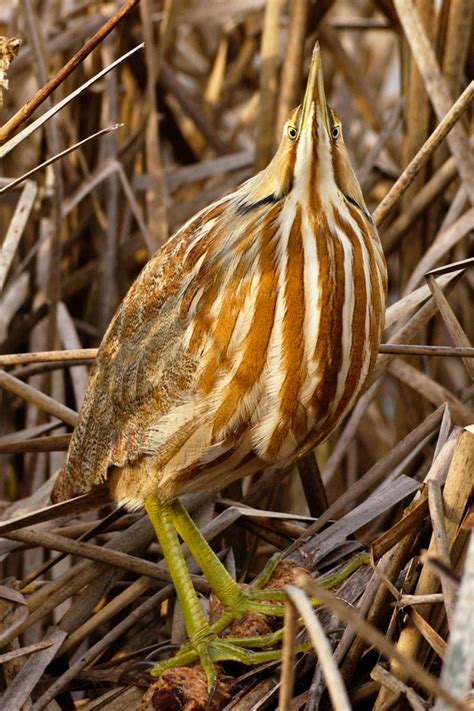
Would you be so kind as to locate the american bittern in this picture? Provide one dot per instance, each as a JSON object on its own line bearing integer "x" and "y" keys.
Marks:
{"x": 239, "y": 348}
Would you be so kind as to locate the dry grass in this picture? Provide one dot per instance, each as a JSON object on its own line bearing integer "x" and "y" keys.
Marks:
{"x": 86, "y": 597}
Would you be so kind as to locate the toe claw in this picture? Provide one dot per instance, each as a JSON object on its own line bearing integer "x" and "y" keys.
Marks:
{"x": 137, "y": 673}
{"x": 212, "y": 693}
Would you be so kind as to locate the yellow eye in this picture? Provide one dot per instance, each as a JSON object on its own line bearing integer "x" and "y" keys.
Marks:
{"x": 291, "y": 132}
{"x": 336, "y": 130}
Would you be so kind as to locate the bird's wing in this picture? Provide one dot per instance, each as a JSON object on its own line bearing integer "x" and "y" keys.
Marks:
{"x": 178, "y": 374}
{"x": 143, "y": 373}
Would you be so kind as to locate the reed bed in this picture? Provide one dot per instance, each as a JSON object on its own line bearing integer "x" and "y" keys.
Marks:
{"x": 107, "y": 146}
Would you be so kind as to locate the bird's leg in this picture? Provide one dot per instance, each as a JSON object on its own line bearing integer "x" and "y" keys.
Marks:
{"x": 222, "y": 584}
{"x": 204, "y": 644}
{"x": 197, "y": 626}
{"x": 236, "y": 601}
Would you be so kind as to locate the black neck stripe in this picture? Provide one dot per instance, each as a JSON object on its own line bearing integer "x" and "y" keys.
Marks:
{"x": 359, "y": 207}
{"x": 246, "y": 207}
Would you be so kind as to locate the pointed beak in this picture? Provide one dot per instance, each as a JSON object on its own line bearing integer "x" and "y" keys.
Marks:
{"x": 314, "y": 92}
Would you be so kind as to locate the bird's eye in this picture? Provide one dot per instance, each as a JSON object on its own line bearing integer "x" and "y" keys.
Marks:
{"x": 335, "y": 132}
{"x": 291, "y": 132}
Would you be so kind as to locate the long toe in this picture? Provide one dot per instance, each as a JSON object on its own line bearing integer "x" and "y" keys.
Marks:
{"x": 219, "y": 650}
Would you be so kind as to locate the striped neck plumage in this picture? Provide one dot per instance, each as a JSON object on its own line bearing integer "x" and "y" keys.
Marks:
{"x": 311, "y": 166}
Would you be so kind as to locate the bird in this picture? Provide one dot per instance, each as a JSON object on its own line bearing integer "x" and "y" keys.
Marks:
{"x": 239, "y": 348}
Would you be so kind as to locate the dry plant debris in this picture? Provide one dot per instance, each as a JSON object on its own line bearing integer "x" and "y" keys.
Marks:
{"x": 9, "y": 47}
{"x": 106, "y": 148}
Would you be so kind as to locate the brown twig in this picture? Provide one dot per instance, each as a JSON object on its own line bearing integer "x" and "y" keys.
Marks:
{"x": 421, "y": 158}
{"x": 409, "y": 349}
{"x": 35, "y": 397}
{"x": 9, "y": 128}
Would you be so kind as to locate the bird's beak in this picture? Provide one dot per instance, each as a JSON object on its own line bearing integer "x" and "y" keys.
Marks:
{"x": 314, "y": 92}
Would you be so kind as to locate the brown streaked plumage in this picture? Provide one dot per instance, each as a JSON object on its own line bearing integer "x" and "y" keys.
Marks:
{"x": 246, "y": 338}
{"x": 241, "y": 345}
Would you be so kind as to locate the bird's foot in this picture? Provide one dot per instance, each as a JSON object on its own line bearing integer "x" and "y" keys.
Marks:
{"x": 211, "y": 649}
{"x": 266, "y": 594}
{"x": 255, "y": 601}
{"x": 245, "y": 617}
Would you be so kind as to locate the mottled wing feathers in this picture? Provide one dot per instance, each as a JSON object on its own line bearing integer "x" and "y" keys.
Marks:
{"x": 170, "y": 347}
{"x": 142, "y": 370}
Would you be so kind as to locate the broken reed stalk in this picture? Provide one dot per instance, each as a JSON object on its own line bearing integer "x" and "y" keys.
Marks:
{"x": 335, "y": 684}
{"x": 413, "y": 669}
{"x": 80, "y": 144}
{"x": 35, "y": 397}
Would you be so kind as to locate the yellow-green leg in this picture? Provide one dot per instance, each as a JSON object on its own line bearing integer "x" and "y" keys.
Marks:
{"x": 235, "y": 600}
{"x": 238, "y": 601}
{"x": 197, "y": 626}
{"x": 204, "y": 644}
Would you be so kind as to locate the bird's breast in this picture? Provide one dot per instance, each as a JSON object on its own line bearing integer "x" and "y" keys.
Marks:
{"x": 326, "y": 323}
{"x": 293, "y": 333}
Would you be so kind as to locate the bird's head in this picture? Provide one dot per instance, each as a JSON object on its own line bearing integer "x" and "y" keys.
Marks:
{"x": 312, "y": 162}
